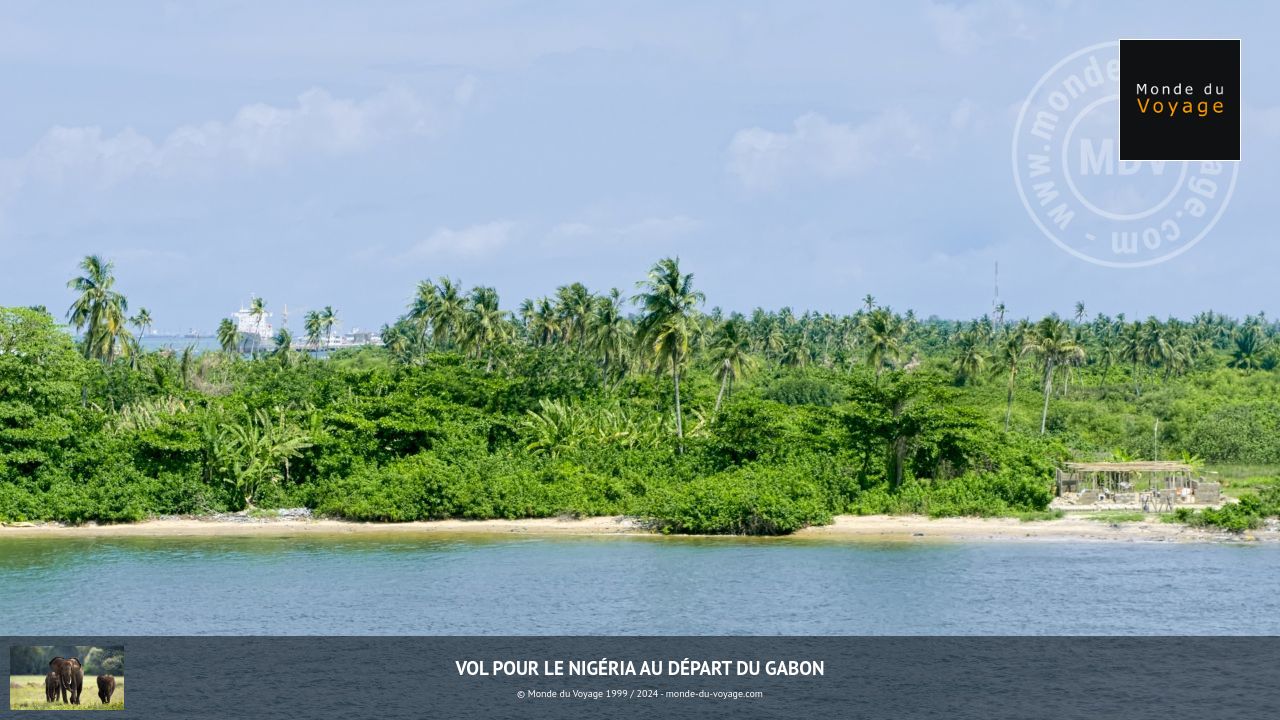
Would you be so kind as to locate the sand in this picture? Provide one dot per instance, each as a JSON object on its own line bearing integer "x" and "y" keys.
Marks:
{"x": 873, "y": 528}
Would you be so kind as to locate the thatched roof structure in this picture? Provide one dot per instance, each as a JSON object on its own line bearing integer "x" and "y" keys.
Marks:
{"x": 1142, "y": 466}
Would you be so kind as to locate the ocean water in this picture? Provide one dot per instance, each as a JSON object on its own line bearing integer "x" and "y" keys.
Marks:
{"x": 383, "y": 585}
{"x": 178, "y": 344}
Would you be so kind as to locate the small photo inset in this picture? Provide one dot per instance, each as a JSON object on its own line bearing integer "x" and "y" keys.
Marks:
{"x": 66, "y": 677}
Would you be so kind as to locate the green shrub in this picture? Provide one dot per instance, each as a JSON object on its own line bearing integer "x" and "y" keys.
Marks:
{"x": 427, "y": 487}
{"x": 978, "y": 494}
{"x": 742, "y": 501}
{"x": 410, "y": 489}
{"x": 1248, "y": 514}
{"x": 805, "y": 391}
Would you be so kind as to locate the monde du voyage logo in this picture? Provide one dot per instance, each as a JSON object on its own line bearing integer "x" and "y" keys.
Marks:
{"x": 1124, "y": 152}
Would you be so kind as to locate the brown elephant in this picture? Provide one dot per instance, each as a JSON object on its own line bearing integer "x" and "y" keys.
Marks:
{"x": 106, "y": 686}
{"x": 70, "y": 678}
{"x": 51, "y": 686}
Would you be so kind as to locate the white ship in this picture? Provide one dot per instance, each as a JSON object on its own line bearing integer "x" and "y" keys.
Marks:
{"x": 256, "y": 332}
{"x": 339, "y": 341}
{"x": 255, "y": 329}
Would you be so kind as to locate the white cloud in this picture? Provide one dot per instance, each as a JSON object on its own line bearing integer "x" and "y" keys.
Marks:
{"x": 964, "y": 28}
{"x": 476, "y": 241}
{"x": 647, "y": 229}
{"x": 1264, "y": 121}
{"x": 817, "y": 147}
{"x": 954, "y": 27}
{"x": 964, "y": 115}
{"x": 465, "y": 91}
{"x": 257, "y": 135}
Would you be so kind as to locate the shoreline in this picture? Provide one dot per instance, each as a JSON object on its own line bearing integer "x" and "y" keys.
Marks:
{"x": 851, "y": 528}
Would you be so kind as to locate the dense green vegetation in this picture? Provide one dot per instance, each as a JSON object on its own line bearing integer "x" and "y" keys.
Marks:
{"x": 586, "y": 404}
{"x": 1248, "y": 514}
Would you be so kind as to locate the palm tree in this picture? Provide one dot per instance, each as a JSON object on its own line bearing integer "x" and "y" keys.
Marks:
{"x": 1107, "y": 349}
{"x": 1080, "y": 311}
{"x": 485, "y": 324}
{"x": 668, "y": 304}
{"x": 448, "y": 313}
{"x": 1052, "y": 341}
{"x": 1134, "y": 349}
{"x": 283, "y": 350}
{"x": 775, "y": 342}
{"x": 574, "y": 304}
{"x": 730, "y": 353}
{"x": 313, "y": 325}
{"x": 142, "y": 321}
{"x": 541, "y": 322}
{"x": 608, "y": 330}
{"x": 421, "y": 309}
{"x": 1158, "y": 343}
{"x": 970, "y": 360}
{"x": 228, "y": 336}
{"x": 257, "y": 310}
{"x": 328, "y": 319}
{"x": 794, "y": 353}
{"x": 883, "y": 333}
{"x": 1011, "y": 350}
{"x": 100, "y": 311}
{"x": 1251, "y": 348}
{"x": 395, "y": 340}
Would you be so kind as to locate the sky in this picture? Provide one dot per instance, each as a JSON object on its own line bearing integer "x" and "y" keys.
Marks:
{"x": 790, "y": 154}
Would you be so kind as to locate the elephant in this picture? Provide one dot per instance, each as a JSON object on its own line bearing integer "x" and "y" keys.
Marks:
{"x": 51, "y": 686}
{"x": 106, "y": 686}
{"x": 70, "y": 677}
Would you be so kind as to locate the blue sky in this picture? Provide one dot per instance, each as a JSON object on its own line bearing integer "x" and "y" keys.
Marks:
{"x": 800, "y": 154}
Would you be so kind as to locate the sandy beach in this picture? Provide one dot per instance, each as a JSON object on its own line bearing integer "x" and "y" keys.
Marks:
{"x": 872, "y": 528}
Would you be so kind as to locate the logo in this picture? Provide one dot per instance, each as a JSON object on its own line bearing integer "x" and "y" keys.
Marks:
{"x": 1082, "y": 196}
{"x": 1180, "y": 100}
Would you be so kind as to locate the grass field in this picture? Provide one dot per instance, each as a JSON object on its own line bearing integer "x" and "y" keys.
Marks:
{"x": 1240, "y": 480}
{"x": 26, "y": 692}
{"x": 1117, "y": 516}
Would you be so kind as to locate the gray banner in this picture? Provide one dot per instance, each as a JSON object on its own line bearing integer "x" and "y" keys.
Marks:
{"x": 693, "y": 677}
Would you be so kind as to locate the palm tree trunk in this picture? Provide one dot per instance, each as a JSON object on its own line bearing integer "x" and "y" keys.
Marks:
{"x": 899, "y": 460}
{"x": 724, "y": 382}
{"x": 1048, "y": 390}
{"x": 675, "y": 374}
{"x": 897, "y": 449}
{"x": 1008, "y": 412}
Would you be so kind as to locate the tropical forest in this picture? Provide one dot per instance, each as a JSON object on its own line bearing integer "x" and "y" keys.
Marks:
{"x": 648, "y": 401}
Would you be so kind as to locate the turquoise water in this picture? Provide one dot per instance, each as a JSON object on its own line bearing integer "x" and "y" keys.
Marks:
{"x": 178, "y": 344}
{"x": 662, "y": 586}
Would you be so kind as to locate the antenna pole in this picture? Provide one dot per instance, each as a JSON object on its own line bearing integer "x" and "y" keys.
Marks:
{"x": 995, "y": 298}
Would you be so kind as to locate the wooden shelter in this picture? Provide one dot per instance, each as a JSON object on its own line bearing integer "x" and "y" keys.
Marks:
{"x": 1124, "y": 481}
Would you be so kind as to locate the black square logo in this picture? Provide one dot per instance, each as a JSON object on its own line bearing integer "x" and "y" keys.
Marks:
{"x": 1179, "y": 99}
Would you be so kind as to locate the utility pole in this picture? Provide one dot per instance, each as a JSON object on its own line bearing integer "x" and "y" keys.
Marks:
{"x": 995, "y": 298}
